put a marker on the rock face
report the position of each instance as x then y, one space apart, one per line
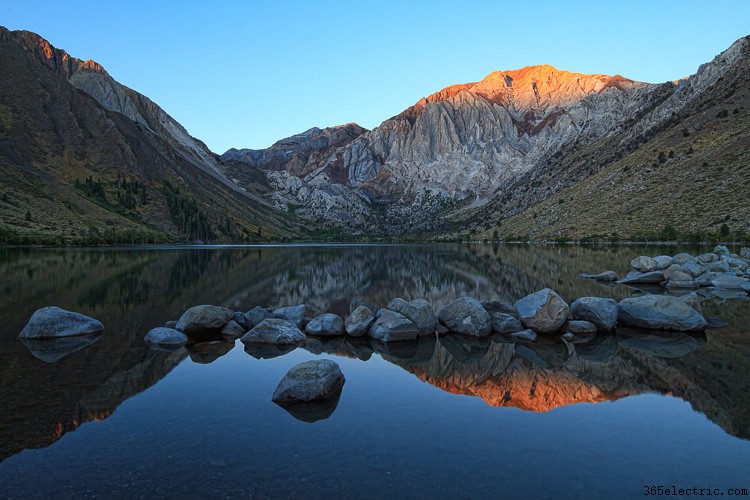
327 324
203 318
599 311
309 381
274 331
420 312
543 311
391 326
466 316
53 322
660 312
166 337
359 321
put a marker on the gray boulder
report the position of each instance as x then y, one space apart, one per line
359 321
204 318
391 326
660 312
662 262
327 324
420 312
170 324
581 327
505 323
310 381
682 258
256 315
599 311
643 264
642 278
397 305
676 271
722 251
735 264
718 266
693 300
707 257
166 337
726 281
682 284
241 319
274 331
543 311
694 269
466 316
292 314
232 330
527 335
604 276
53 322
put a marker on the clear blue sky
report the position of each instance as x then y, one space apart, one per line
245 74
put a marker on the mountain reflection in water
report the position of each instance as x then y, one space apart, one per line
48 391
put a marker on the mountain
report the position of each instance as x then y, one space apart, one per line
462 161
86 159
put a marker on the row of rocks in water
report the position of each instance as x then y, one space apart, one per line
720 269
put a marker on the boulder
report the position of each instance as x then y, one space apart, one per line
676 271
166 337
694 269
722 251
643 264
232 330
718 266
397 305
274 331
578 326
599 311
359 321
660 312
735 264
256 315
693 300
53 322
662 262
327 324
204 318
242 320
543 311
642 278
604 276
292 314
391 326
726 281
466 316
505 323
420 312
309 381
528 335
682 258
707 257
682 284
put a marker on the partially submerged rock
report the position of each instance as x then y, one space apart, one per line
660 312
359 321
420 312
599 311
527 335
232 330
543 311
642 278
293 314
53 322
256 315
604 276
309 381
274 331
579 326
505 323
466 316
166 337
203 319
391 326
327 324
643 264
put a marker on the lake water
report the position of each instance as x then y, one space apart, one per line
442 418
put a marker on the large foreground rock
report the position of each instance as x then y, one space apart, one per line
358 322
543 311
420 312
309 381
203 318
53 322
274 331
467 316
660 312
327 324
391 326
166 337
597 310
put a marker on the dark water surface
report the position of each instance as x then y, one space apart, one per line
446 417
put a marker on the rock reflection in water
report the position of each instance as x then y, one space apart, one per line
207 352
52 350
313 411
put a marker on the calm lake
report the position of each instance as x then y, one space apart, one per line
445 417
